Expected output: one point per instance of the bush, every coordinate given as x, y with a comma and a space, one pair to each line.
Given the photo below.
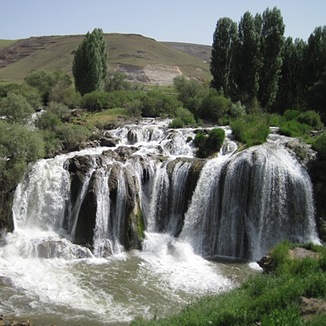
53, 116
320, 145
214, 106
208, 145
251, 129
157, 104
291, 114
95, 101
312, 119
15, 108
18, 147
183, 118
293, 128
237, 110
177, 123
73, 136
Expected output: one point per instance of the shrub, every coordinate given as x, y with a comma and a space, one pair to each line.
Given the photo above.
214, 106
177, 123
15, 108
251, 129
237, 110
53, 116
208, 145
18, 147
95, 101
183, 118
293, 128
320, 145
311, 118
73, 136
157, 104
291, 114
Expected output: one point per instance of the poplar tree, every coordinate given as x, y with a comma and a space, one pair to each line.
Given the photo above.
223, 47
247, 58
272, 42
90, 63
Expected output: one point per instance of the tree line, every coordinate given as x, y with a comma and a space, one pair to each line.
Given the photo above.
253, 62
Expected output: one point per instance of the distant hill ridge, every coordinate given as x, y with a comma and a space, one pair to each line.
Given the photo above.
143, 59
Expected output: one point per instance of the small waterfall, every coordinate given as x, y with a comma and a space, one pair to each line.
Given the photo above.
246, 203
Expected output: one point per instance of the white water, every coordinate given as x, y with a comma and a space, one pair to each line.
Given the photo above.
48, 279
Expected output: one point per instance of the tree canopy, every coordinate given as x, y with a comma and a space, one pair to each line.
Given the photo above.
90, 63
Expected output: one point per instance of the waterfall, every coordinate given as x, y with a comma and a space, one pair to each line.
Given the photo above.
235, 205
246, 203
104, 235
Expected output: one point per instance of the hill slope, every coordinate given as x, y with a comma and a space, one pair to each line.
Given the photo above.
142, 59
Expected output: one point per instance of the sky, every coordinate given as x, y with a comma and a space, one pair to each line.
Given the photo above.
189, 21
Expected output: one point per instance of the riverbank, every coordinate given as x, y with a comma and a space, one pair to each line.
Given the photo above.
293, 292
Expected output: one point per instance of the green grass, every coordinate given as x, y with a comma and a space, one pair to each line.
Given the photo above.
57, 52
103, 118
5, 43
265, 299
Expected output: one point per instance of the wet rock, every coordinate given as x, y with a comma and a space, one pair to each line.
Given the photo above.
267, 263
108, 142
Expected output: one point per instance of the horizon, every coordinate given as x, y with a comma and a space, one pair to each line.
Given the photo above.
183, 21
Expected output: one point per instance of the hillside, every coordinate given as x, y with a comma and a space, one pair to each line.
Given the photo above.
142, 59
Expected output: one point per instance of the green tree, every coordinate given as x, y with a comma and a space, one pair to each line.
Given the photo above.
224, 39
247, 58
18, 147
291, 83
90, 63
15, 108
190, 93
272, 42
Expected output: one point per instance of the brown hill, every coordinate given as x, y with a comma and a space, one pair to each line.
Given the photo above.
142, 59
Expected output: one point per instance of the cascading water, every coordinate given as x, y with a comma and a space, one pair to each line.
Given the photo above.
78, 216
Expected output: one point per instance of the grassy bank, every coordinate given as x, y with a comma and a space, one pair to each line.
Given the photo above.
276, 298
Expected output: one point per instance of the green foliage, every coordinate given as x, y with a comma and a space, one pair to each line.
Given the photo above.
312, 119
116, 81
214, 106
95, 101
90, 63
251, 129
18, 147
291, 114
293, 128
237, 110
155, 103
183, 117
73, 136
44, 82
272, 43
320, 145
190, 93
65, 94
15, 108
224, 40
208, 145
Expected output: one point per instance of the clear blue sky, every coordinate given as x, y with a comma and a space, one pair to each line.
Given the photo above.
189, 21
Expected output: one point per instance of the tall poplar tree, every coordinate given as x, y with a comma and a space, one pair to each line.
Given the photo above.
90, 63
272, 42
247, 58
223, 47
